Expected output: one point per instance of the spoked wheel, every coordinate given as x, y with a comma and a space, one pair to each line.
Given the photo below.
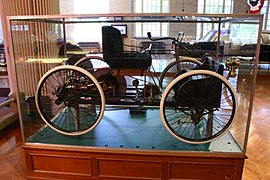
70, 100
169, 73
111, 85
95, 65
193, 107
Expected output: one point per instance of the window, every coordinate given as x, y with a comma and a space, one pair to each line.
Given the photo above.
244, 33
265, 11
84, 7
84, 32
90, 7
212, 7
151, 6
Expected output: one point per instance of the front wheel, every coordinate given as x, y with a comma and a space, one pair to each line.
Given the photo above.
70, 100
194, 109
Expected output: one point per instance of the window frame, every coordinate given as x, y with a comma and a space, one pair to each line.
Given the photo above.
203, 28
266, 5
163, 28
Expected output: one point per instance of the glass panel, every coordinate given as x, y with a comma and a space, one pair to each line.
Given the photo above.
63, 102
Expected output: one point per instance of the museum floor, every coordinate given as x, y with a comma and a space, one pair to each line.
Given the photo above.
257, 166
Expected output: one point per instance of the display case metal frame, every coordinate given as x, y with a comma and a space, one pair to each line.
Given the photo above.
99, 158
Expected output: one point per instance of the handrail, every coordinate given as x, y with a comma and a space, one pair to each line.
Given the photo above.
3, 104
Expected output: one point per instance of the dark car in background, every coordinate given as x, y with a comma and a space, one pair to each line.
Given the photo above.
2, 54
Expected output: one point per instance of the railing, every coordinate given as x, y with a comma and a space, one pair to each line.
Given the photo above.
3, 104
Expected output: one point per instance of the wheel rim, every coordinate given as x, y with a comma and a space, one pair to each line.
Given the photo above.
198, 116
69, 100
92, 62
170, 72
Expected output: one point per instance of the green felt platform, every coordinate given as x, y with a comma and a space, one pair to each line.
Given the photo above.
120, 129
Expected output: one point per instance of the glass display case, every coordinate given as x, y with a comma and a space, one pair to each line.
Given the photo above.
132, 122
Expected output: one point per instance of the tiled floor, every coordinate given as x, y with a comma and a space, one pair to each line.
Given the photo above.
12, 163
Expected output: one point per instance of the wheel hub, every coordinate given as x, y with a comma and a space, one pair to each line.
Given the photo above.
196, 116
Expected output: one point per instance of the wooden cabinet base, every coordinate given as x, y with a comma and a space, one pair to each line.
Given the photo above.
67, 162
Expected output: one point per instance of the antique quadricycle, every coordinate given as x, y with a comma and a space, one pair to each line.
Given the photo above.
197, 104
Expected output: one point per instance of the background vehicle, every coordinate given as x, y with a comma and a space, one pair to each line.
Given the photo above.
2, 54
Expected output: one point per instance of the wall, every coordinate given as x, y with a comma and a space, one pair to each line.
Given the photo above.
183, 6
240, 6
65, 6
120, 6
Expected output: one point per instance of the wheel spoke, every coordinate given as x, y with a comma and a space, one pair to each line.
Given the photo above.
199, 96
69, 100
171, 70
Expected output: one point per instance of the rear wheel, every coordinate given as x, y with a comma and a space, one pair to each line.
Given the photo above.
91, 63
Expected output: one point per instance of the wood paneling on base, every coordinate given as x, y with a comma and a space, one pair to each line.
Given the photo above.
49, 161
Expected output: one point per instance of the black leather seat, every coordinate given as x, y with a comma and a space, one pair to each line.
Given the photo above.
113, 54
201, 90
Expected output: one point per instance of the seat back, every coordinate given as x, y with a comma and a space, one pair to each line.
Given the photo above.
210, 64
203, 90
112, 42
